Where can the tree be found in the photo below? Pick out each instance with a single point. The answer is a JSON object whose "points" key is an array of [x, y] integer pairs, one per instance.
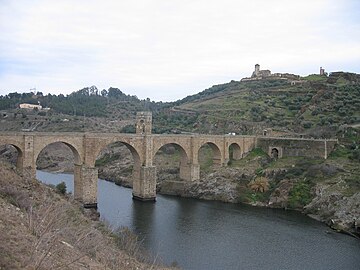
{"points": [[61, 188], [104, 93], [115, 93]]}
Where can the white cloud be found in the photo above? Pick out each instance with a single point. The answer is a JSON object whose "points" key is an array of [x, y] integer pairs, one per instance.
{"points": [[169, 49]]}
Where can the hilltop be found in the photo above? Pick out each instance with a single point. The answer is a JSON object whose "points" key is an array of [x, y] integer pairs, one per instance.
{"points": [[315, 106]]}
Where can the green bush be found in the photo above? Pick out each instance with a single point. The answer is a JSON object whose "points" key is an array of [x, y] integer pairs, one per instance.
{"points": [[61, 188], [307, 124], [300, 195]]}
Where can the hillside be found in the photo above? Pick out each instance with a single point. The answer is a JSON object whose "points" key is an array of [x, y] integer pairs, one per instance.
{"points": [[316, 106], [42, 229], [87, 110]]}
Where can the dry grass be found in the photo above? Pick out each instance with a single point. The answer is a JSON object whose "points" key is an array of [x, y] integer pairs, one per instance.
{"points": [[259, 184], [40, 229]]}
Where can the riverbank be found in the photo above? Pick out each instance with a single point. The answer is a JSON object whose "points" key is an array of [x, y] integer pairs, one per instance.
{"points": [[42, 229], [327, 190]]}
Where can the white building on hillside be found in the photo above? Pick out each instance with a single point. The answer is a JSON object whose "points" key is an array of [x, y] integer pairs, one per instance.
{"points": [[30, 106]]}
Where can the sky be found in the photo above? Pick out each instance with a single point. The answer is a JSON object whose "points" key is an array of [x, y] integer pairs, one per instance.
{"points": [[166, 50]]}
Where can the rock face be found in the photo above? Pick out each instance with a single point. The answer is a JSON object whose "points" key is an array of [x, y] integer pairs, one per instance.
{"points": [[280, 196], [339, 212], [222, 185]]}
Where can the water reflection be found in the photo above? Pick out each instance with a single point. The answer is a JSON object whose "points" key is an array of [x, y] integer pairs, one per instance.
{"points": [[213, 235], [143, 216]]}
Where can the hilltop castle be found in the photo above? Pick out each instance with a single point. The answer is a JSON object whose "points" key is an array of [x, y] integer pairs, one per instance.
{"points": [[265, 74], [260, 73]]}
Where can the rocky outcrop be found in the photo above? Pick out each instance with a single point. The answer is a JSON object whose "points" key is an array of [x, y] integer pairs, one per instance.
{"points": [[280, 196], [220, 185], [338, 211]]}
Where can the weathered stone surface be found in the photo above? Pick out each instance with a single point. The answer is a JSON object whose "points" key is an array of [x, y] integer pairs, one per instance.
{"points": [[279, 197], [338, 211], [172, 187], [221, 185]]}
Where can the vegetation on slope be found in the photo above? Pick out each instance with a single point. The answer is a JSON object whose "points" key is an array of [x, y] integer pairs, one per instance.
{"points": [[316, 105], [41, 229]]}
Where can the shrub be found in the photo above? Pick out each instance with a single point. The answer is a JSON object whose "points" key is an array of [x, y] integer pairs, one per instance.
{"points": [[260, 184], [61, 188], [300, 195], [307, 124]]}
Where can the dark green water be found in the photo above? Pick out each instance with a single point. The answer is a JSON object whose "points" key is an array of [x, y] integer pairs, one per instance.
{"points": [[213, 235]]}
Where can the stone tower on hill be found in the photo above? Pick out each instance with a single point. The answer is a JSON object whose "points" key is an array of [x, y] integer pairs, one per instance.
{"points": [[260, 73]]}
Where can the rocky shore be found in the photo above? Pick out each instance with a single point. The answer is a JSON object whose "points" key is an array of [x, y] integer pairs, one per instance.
{"points": [[339, 212]]}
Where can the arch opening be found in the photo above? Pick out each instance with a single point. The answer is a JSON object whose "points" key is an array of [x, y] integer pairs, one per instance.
{"points": [[274, 153], [172, 168], [12, 154], [209, 157], [234, 152], [119, 162], [59, 157]]}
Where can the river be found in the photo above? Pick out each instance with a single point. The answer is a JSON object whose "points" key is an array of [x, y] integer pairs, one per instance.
{"points": [[209, 235]]}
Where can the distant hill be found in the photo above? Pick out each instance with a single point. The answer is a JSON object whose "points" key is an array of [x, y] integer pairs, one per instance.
{"points": [[315, 105]]}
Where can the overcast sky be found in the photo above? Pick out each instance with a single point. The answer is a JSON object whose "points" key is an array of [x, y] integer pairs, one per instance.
{"points": [[168, 49]]}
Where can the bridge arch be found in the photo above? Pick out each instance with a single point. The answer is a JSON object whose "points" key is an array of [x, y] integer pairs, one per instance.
{"points": [[19, 157], [182, 162], [234, 151], [136, 162], [217, 157], [76, 153], [184, 155], [134, 152], [77, 161]]}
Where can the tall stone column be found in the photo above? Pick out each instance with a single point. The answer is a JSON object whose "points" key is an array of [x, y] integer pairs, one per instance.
{"points": [[28, 162], [144, 175], [85, 185], [78, 192], [190, 170], [144, 186]]}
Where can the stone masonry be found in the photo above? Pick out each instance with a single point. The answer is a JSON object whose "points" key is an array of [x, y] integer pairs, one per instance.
{"points": [[143, 145]]}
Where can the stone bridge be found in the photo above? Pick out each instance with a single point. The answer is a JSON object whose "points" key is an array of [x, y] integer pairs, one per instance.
{"points": [[143, 146]]}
